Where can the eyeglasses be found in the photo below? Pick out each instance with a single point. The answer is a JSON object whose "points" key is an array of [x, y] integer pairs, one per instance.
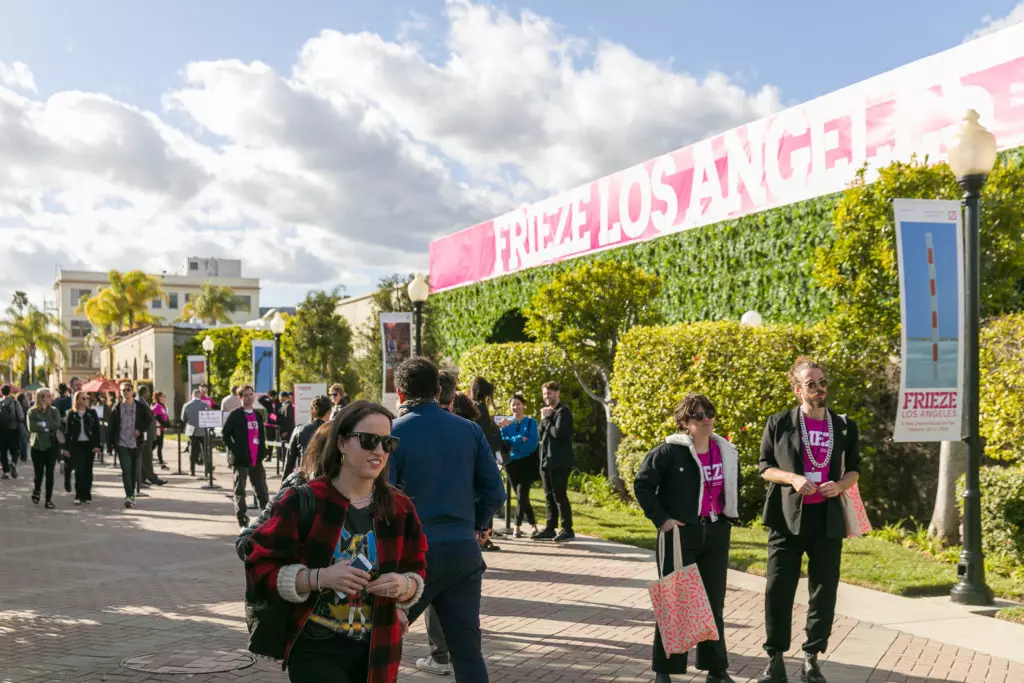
{"points": [[369, 442], [811, 385], [699, 417], [335, 393]]}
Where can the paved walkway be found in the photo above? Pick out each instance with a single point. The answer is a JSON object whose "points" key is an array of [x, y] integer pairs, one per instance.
{"points": [[84, 588]]}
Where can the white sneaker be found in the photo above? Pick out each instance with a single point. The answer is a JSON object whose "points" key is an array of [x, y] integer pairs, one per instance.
{"points": [[428, 665]]}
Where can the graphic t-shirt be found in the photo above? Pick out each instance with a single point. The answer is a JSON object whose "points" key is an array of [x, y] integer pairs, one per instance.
{"points": [[817, 432], [336, 612], [253, 426], [714, 481]]}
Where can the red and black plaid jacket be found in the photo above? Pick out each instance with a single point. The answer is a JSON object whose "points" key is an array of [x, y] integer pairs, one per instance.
{"points": [[401, 548]]}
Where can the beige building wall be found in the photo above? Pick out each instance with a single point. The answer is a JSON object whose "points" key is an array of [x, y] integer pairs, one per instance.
{"points": [[358, 311], [150, 355]]}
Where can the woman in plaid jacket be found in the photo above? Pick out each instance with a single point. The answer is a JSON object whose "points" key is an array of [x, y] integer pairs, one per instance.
{"points": [[346, 624]]}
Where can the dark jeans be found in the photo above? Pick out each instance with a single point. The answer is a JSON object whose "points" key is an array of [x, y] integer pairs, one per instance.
{"points": [[146, 463], [69, 467], [258, 476], [43, 463], [337, 659], [129, 459], [160, 446], [455, 573], [10, 448], [196, 450], [785, 553], [707, 545], [522, 473], [81, 461], [556, 497]]}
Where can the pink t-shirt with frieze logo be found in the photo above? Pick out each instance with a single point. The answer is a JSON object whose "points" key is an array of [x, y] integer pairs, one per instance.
{"points": [[714, 481], [817, 432], [254, 436]]}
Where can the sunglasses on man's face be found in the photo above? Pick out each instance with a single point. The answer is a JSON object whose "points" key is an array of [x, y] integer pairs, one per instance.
{"points": [[699, 417], [811, 385], [369, 442], [334, 393]]}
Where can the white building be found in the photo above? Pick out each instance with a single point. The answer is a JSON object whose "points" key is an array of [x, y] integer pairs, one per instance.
{"points": [[72, 285]]}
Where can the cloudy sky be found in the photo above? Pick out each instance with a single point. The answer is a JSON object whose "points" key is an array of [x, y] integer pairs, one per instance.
{"points": [[328, 142]]}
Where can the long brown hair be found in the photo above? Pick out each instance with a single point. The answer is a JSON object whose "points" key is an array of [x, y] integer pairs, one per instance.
{"points": [[343, 424], [312, 465]]}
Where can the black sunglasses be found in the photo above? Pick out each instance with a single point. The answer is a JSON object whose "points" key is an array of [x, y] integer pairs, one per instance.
{"points": [[369, 442], [699, 417], [335, 393], [811, 385]]}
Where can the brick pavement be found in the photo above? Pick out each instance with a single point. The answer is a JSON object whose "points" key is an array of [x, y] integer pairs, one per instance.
{"points": [[84, 588]]}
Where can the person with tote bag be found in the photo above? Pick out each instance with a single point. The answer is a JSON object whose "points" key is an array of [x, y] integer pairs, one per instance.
{"points": [[689, 488]]}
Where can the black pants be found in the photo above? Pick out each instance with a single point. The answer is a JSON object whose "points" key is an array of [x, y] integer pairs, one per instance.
{"points": [[522, 473], [258, 476], [10, 448], [556, 497], [196, 450], [81, 461], [337, 659], [785, 553], [160, 446], [69, 467], [707, 545], [43, 463], [129, 459], [455, 573]]}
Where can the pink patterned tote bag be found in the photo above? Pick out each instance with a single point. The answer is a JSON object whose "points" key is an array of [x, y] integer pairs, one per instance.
{"points": [[680, 602], [856, 517]]}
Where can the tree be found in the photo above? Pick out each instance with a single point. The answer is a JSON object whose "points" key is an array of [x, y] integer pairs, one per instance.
{"points": [[26, 332], [585, 312], [392, 296], [317, 342], [227, 345], [105, 317], [860, 271], [130, 294], [214, 304]]}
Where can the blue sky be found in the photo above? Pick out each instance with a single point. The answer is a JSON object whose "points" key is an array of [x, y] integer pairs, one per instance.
{"points": [[917, 288], [230, 160]]}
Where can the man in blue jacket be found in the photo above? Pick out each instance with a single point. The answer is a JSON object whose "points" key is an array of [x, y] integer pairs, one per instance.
{"points": [[446, 466]]}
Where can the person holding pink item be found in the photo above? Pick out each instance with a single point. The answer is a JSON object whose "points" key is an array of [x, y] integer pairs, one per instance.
{"points": [[692, 481], [803, 455], [246, 447]]}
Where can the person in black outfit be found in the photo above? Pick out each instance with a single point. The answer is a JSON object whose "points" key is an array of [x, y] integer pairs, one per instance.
{"points": [[301, 437], [692, 482], [82, 443], [804, 453], [126, 442], [556, 461], [12, 421], [481, 393], [247, 447]]}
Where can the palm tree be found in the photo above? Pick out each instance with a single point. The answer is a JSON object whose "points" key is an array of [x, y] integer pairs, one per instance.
{"points": [[130, 295], [105, 317], [212, 305], [28, 331]]}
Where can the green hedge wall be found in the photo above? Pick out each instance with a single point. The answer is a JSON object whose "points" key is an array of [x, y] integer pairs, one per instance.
{"points": [[717, 272], [1002, 388]]}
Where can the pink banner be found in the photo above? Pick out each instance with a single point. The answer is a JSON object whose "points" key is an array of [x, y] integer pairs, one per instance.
{"points": [[804, 152]]}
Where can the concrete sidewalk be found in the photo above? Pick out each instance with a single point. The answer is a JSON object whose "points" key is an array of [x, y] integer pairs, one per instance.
{"points": [[83, 589]]}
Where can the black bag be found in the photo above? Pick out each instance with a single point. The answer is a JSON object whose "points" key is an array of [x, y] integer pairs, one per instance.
{"points": [[8, 415], [268, 619]]}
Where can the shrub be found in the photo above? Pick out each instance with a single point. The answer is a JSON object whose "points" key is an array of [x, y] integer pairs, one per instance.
{"points": [[523, 368], [1002, 511], [1002, 388], [629, 456]]}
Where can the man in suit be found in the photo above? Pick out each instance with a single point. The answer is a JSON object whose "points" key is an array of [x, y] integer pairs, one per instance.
{"points": [[196, 434], [246, 446], [148, 474], [556, 461], [809, 456]]}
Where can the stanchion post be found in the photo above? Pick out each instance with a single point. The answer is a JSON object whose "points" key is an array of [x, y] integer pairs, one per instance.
{"points": [[179, 472], [508, 503]]}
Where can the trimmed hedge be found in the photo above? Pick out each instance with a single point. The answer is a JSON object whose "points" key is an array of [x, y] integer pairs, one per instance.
{"points": [[1002, 512], [717, 272], [523, 368], [1002, 388]]}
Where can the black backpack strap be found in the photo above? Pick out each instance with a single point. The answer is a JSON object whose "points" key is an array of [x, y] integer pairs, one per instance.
{"points": [[307, 510]]}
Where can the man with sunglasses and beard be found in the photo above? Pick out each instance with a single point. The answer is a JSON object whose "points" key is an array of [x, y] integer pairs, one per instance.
{"points": [[809, 456], [246, 447]]}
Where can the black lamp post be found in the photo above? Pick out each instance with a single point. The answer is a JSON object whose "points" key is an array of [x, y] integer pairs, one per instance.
{"points": [[971, 160], [277, 326], [208, 345], [419, 290]]}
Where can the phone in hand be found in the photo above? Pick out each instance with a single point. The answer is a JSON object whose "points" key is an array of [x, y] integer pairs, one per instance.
{"points": [[362, 563], [498, 419]]}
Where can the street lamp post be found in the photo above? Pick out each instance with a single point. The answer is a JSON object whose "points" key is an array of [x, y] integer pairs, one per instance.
{"points": [[971, 160], [208, 345], [277, 326], [419, 290]]}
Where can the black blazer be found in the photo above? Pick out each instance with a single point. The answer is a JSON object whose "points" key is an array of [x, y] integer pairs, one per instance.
{"points": [[236, 438], [781, 448], [74, 424], [143, 418], [556, 440]]}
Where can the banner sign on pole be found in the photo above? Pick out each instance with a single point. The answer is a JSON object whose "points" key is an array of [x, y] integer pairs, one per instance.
{"points": [[303, 399], [806, 151], [396, 346], [929, 246], [264, 360], [196, 373]]}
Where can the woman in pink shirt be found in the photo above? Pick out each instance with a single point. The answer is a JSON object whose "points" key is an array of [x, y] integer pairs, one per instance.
{"points": [[163, 421], [691, 484]]}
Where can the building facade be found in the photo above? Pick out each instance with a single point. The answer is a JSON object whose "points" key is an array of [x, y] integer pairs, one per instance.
{"points": [[71, 286], [149, 355]]}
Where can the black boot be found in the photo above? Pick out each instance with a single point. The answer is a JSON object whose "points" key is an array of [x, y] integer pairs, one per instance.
{"points": [[775, 672], [718, 677], [811, 672], [662, 678]]}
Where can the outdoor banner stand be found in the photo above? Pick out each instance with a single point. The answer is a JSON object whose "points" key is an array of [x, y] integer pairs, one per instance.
{"points": [[209, 419]]}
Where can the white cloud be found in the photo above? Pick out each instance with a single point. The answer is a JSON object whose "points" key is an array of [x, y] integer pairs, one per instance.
{"points": [[17, 75], [346, 167], [991, 25]]}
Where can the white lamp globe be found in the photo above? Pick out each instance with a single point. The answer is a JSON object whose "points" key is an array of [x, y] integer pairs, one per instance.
{"points": [[419, 290], [208, 344], [751, 319], [974, 152], [278, 323]]}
